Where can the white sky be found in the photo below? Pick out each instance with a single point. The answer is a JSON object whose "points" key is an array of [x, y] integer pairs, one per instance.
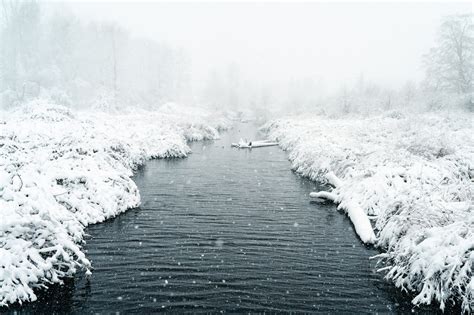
{"points": [[277, 41]]}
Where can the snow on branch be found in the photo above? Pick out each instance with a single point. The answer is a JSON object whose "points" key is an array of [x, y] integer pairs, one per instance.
{"points": [[358, 217]]}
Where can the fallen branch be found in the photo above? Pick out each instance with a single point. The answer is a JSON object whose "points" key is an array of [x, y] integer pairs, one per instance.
{"points": [[333, 179], [324, 195], [359, 218]]}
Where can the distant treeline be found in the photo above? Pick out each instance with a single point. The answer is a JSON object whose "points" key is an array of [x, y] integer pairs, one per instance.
{"points": [[449, 67], [54, 53], [47, 52]]}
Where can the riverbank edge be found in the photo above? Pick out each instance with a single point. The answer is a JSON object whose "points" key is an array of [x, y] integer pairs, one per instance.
{"points": [[429, 253], [62, 170]]}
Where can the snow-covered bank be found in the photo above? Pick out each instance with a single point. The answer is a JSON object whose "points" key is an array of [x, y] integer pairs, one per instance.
{"points": [[61, 171], [414, 176]]}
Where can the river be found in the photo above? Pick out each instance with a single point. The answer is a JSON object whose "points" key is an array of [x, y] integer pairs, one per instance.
{"points": [[226, 230]]}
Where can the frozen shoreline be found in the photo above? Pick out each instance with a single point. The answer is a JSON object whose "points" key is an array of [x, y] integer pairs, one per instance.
{"points": [[62, 170], [413, 175]]}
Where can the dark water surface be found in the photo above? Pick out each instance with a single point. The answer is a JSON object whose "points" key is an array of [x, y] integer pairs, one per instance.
{"points": [[225, 230]]}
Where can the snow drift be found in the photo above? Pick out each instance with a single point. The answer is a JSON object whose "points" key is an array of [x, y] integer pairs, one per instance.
{"points": [[61, 171], [414, 176]]}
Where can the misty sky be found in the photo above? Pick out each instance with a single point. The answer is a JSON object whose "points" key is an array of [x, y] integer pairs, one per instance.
{"points": [[336, 43]]}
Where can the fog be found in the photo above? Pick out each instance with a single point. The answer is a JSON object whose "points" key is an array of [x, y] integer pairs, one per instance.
{"points": [[334, 42], [266, 55], [369, 104]]}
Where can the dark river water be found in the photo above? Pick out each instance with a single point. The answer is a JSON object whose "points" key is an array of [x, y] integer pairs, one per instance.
{"points": [[225, 230]]}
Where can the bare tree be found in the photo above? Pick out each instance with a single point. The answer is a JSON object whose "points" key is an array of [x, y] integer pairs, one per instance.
{"points": [[346, 106], [449, 65], [114, 59]]}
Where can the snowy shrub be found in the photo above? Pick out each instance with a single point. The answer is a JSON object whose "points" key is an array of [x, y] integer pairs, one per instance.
{"points": [[62, 170], [414, 175], [105, 102], [395, 114], [58, 96]]}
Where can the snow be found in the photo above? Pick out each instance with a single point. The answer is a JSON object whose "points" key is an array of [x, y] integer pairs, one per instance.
{"points": [[412, 174], [358, 217], [62, 170], [244, 144]]}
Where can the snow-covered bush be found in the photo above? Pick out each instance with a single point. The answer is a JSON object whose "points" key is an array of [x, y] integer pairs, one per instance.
{"points": [[62, 170], [415, 176]]}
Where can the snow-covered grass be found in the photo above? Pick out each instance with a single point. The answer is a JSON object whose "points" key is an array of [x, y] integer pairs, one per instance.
{"points": [[412, 175], [61, 171]]}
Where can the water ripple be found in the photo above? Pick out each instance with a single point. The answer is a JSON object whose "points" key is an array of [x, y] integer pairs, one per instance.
{"points": [[225, 230]]}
